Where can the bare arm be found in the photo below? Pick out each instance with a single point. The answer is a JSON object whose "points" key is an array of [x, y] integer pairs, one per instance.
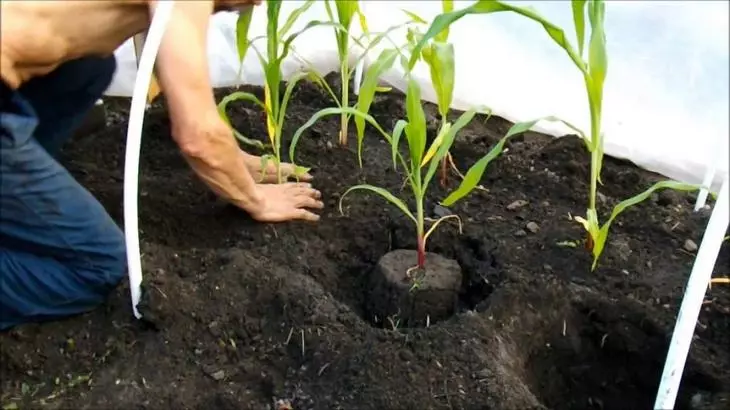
{"points": [[204, 139]]}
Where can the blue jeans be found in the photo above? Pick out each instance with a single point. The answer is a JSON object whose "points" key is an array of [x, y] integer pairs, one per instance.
{"points": [[60, 252]]}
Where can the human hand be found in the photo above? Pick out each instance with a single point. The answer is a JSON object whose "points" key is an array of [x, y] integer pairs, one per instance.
{"points": [[268, 175], [287, 201]]}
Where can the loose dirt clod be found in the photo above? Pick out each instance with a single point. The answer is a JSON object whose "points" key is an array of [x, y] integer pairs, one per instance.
{"points": [[426, 297]]}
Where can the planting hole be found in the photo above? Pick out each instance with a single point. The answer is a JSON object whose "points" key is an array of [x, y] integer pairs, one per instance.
{"points": [[607, 357]]}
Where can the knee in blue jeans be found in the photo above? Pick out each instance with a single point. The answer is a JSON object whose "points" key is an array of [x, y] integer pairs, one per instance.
{"points": [[107, 265]]}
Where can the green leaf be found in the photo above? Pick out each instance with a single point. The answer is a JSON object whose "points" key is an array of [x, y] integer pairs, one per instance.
{"points": [[416, 128], [579, 21], [600, 240], [372, 44], [240, 95], [293, 80], [415, 17], [286, 45], [300, 170], [597, 55], [242, 27], [272, 23], [385, 194], [293, 17], [369, 83], [248, 141], [444, 20], [397, 132], [335, 111], [446, 7], [463, 120], [264, 161], [345, 11], [474, 174], [440, 59]]}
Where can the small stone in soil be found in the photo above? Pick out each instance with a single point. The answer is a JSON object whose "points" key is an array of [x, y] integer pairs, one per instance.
{"points": [[690, 245], [517, 205], [532, 227], [441, 211], [521, 233]]}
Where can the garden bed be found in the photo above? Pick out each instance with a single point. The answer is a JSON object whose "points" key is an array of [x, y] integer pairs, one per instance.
{"points": [[247, 314]]}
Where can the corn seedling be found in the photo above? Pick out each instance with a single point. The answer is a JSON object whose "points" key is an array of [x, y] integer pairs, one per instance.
{"points": [[439, 56], [419, 158], [278, 46], [594, 70], [415, 134], [346, 10]]}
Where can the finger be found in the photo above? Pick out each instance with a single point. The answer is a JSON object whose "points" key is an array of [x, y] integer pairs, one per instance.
{"points": [[308, 192], [305, 215], [309, 202], [298, 186]]}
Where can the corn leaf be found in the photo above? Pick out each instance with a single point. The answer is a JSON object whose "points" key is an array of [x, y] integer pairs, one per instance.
{"points": [[234, 96], [415, 17], [293, 80], [444, 20], [272, 23], [369, 83], [416, 128], [336, 111], [363, 21], [264, 160], [446, 7], [248, 141], [385, 194], [397, 132], [295, 14], [372, 44], [448, 141], [243, 24], [440, 59], [436, 143], [600, 240], [474, 174], [579, 21], [286, 44]]}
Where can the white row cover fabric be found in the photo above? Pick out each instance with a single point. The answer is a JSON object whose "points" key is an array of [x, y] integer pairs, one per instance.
{"points": [[666, 94]]}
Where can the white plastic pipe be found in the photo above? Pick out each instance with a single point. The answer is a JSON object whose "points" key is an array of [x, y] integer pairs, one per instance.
{"points": [[706, 181], [358, 75], [134, 139], [692, 302]]}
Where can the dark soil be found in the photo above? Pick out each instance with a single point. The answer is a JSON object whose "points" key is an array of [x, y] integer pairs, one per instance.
{"points": [[247, 314]]}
